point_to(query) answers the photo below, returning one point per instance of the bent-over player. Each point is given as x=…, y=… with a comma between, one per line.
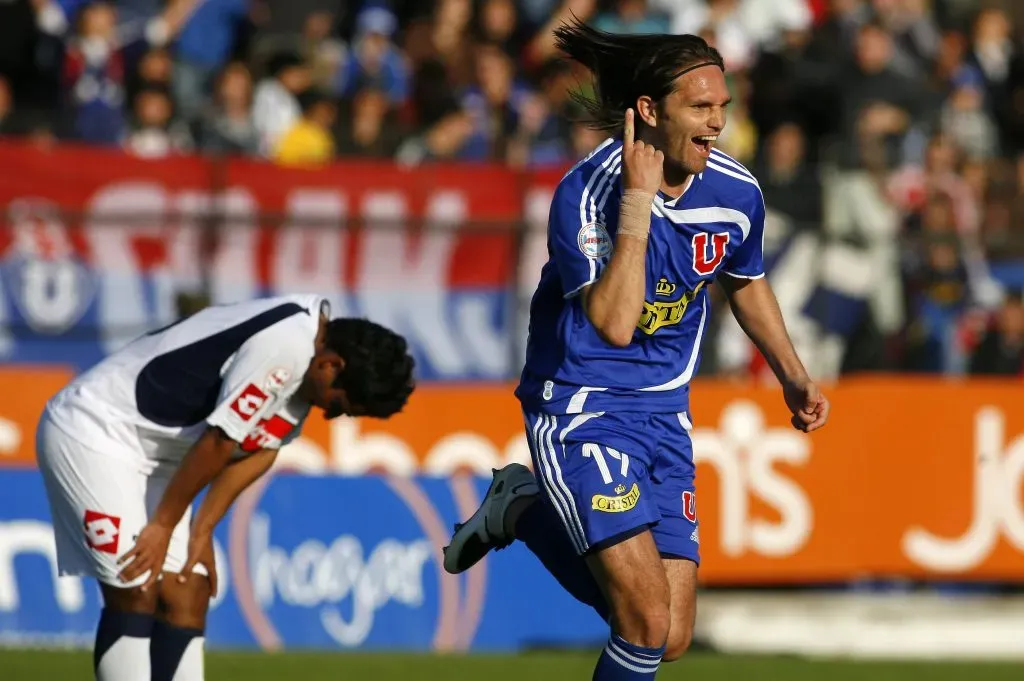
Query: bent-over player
x=126, y=447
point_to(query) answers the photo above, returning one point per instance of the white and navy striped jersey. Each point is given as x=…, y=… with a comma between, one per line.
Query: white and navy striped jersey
x=236, y=367
x=715, y=227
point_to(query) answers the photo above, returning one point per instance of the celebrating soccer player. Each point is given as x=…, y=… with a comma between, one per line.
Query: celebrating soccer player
x=638, y=232
x=127, y=446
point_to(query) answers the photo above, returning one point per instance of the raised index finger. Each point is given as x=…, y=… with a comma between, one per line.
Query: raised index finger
x=627, y=130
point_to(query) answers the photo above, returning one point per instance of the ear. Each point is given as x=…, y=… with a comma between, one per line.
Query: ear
x=326, y=357
x=647, y=110
x=333, y=359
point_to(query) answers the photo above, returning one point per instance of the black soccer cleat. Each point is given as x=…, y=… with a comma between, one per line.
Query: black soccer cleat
x=485, y=530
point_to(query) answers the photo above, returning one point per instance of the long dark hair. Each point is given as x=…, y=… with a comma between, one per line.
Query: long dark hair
x=625, y=67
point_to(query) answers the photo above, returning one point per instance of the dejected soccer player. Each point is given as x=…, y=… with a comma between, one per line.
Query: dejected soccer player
x=126, y=447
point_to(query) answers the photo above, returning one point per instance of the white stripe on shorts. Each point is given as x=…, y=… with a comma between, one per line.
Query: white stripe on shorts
x=543, y=427
x=561, y=481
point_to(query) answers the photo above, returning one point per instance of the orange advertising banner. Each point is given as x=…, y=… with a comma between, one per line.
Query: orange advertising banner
x=913, y=477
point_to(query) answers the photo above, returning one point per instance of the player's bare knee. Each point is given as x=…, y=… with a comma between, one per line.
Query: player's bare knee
x=184, y=605
x=643, y=617
x=129, y=599
x=637, y=589
x=680, y=636
x=644, y=625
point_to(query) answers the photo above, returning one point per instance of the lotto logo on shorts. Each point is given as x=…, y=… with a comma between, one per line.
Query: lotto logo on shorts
x=618, y=504
x=249, y=402
x=102, y=531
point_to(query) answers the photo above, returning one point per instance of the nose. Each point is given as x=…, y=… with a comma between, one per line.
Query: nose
x=716, y=119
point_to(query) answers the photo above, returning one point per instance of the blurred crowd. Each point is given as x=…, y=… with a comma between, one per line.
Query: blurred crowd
x=887, y=135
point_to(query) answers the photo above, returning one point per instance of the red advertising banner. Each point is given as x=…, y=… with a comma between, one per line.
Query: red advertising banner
x=95, y=245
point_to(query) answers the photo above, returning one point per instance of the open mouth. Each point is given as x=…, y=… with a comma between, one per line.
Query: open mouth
x=704, y=143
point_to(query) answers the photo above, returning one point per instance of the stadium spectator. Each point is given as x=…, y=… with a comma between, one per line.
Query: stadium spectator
x=1001, y=352
x=542, y=133
x=498, y=24
x=938, y=290
x=369, y=129
x=276, y=105
x=915, y=34
x=308, y=141
x=204, y=46
x=155, y=68
x=450, y=40
x=993, y=52
x=791, y=187
x=965, y=119
x=155, y=133
x=228, y=128
x=495, y=104
x=94, y=77
x=322, y=51
x=374, y=61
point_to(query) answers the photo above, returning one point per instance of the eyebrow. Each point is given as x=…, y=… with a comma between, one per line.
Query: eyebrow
x=704, y=102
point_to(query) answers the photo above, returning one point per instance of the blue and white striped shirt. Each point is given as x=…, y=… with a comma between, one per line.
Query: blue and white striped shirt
x=715, y=227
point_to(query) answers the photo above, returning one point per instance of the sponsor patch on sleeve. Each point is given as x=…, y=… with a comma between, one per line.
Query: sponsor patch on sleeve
x=594, y=241
x=249, y=402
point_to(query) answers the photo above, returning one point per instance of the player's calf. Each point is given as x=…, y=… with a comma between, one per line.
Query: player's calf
x=121, y=650
x=682, y=579
x=176, y=648
x=637, y=591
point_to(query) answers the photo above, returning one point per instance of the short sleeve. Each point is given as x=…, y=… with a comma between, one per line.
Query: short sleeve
x=264, y=373
x=747, y=261
x=579, y=235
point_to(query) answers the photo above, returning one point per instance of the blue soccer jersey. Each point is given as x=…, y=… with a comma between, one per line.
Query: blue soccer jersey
x=715, y=227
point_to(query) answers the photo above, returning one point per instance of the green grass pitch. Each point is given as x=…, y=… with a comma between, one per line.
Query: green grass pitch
x=25, y=665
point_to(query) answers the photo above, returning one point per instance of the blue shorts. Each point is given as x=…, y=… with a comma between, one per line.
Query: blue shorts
x=609, y=476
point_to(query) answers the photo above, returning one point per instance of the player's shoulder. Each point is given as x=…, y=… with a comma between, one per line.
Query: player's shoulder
x=593, y=174
x=733, y=185
x=295, y=318
x=282, y=329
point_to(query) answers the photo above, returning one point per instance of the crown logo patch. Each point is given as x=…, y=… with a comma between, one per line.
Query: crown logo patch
x=664, y=287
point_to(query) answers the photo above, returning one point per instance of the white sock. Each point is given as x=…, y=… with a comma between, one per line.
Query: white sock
x=191, y=666
x=121, y=652
x=176, y=653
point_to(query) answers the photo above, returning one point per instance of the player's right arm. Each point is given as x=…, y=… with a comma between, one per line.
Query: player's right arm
x=614, y=302
x=229, y=483
x=236, y=477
